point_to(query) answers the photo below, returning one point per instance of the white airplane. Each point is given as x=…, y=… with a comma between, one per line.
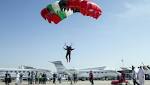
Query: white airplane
x=24, y=70
x=83, y=74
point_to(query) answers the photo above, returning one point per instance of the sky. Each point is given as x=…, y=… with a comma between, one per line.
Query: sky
x=121, y=33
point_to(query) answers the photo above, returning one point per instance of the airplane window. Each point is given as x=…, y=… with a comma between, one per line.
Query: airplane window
x=101, y=72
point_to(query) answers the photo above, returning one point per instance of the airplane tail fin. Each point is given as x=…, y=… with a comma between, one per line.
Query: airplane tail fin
x=59, y=66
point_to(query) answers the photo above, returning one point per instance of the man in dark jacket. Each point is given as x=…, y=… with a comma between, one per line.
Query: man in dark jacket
x=91, y=77
x=7, y=78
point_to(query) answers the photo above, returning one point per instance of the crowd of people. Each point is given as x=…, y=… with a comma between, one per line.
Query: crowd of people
x=37, y=78
x=41, y=78
x=33, y=78
x=71, y=78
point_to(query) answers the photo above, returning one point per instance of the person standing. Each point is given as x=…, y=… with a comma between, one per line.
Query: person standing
x=32, y=78
x=40, y=78
x=91, y=77
x=134, y=76
x=18, y=79
x=54, y=78
x=36, y=77
x=70, y=78
x=21, y=77
x=7, y=78
x=122, y=77
x=75, y=77
x=44, y=78
x=59, y=78
x=29, y=78
x=141, y=75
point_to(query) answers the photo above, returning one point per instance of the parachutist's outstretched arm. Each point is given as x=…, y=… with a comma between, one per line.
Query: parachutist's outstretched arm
x=72, y=48
x=64, y=48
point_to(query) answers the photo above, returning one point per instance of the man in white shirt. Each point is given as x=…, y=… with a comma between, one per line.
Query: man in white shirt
x=134, y=76
x=18, y=78
x=141, y=75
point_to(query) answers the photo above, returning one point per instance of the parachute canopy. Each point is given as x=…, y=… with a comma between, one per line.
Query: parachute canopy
x=60, y=10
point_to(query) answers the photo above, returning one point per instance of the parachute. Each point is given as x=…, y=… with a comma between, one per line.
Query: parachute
x=56, y=12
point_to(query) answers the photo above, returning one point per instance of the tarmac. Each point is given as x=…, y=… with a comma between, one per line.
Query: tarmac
x=96, y=82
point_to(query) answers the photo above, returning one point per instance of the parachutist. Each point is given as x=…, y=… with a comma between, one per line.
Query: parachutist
x=68, y=54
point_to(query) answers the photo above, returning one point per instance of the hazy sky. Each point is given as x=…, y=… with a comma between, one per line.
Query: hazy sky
x=122, y=32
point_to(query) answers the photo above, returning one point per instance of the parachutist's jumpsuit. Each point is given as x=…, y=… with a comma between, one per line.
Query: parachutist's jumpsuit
x=68, y=49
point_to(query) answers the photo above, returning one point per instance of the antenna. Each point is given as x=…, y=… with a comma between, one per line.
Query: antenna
x=122, y=61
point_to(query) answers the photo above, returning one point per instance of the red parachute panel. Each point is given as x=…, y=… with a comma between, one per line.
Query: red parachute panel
x=51, y=17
